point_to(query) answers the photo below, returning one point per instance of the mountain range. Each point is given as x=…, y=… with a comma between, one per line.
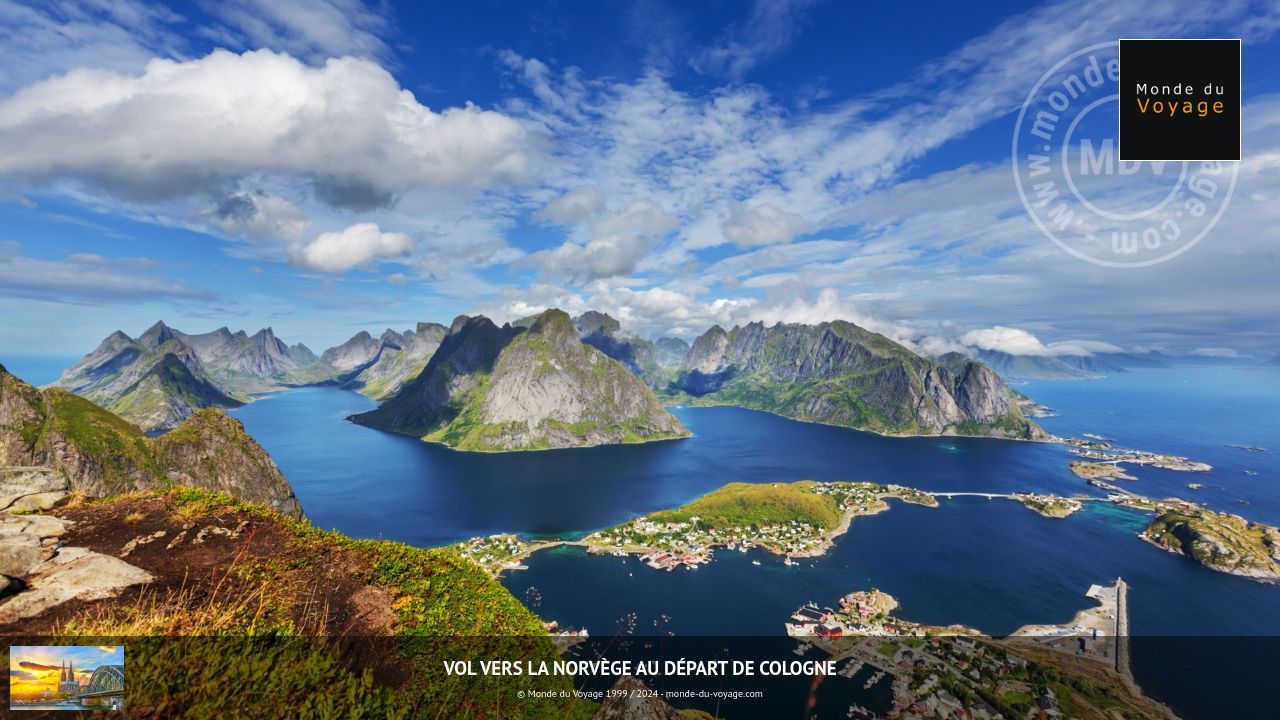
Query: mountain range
x=549, y=381
x=526, y=386
x=842, y=374
x=165, y=375
x=651, y=361
x=379, y=368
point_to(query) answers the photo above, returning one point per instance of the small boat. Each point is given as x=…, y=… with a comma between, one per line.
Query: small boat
x=755, y=562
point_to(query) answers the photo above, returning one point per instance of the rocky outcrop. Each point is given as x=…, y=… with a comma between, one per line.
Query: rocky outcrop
x=25, y=489
x=72, y=574
x=211, y=450
x=39, y=573
x=53, y=442
x=839, y=373
x=516, y=388
x=634, y=701
x=1219, y=541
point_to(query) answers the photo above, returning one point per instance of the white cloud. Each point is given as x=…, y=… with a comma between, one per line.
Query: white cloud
x=314, y=30
x=185, y=127
x=762, y=224
x=574, y=206
x=770, y=28
x=1083, y=348
x=338, y=252
x=42, y=39
x=656, y=311
x=258, y=215
x=1005, y=339
x=607, y=243
x=85, y=278
x=1216, y=352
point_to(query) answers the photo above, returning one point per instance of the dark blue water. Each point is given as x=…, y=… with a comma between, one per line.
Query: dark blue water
x=349, y=477
x=993, y=565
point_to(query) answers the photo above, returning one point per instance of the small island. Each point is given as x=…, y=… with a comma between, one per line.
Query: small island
x=1095, y=471
x=1050, y=506
x=1219, y=541
x=799, y=519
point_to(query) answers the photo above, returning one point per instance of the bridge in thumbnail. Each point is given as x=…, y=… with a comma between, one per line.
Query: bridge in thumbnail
x=106, y=686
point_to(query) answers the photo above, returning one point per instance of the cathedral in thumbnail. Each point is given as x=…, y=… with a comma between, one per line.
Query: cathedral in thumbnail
x=67, y=683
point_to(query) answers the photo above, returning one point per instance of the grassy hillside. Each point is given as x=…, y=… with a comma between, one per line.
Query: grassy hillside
x=301, y=622
x=118, y=449
x=739, y=504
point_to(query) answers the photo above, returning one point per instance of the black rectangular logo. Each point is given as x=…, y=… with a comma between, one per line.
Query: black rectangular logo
x=1179, y=99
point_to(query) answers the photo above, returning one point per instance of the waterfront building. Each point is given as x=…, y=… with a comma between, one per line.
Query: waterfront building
x=67, y=682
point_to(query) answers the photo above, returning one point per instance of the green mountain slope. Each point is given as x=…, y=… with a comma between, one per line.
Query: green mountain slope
x=99, y=453
x=841, y=374
x=516, y=388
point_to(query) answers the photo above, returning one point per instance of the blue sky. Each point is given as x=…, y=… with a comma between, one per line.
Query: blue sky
x=330, y=166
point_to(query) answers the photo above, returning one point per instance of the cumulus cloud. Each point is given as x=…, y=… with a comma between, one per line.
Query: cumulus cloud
x=258, y=215
x=574, y=206
x=1005, y=339
x=340, y=251
x=608, y=243
x=193, y=126
x=762, y=224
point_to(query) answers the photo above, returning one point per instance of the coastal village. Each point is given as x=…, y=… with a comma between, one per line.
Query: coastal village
x=958, y=672
x=690, y=543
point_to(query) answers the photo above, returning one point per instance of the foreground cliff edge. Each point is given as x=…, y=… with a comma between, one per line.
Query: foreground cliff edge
x=53, y=443
x=491, y=388
x=211, y=592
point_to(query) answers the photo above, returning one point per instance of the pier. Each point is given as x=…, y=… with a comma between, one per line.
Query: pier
x=1122, y=630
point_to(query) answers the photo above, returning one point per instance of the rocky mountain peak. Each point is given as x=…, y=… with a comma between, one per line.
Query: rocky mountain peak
x=157, y=335
x=554, y=324
x=592, y=322
x=707, y=353
x=523, y=388
x=392, y=338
